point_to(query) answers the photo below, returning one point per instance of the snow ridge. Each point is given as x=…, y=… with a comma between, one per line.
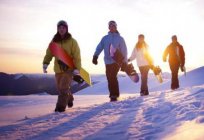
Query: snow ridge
x=164, y=114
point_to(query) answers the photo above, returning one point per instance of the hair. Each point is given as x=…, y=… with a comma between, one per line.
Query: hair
x=140, y=45
x=140, y=35
x=62, y=23
x=112, y=22
x=57, y=37
x=174, y=36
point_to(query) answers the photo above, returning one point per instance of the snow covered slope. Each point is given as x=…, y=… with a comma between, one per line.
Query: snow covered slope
x=164, y=114
x=192, y=78
x=125, y=85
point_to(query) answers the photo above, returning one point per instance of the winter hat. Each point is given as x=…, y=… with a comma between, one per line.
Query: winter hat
x=140, y=36
x=112, y=22
x=62, y=23
x=174, y=37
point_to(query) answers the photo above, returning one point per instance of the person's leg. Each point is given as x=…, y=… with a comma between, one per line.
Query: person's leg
x=65, y=97
x=144, y=75
x=111, y=74
x=174, y=79
x=69, y=77
x=172, y=76
x=176, y=76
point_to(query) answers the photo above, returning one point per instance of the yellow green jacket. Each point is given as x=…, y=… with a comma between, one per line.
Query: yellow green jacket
x=71, y=47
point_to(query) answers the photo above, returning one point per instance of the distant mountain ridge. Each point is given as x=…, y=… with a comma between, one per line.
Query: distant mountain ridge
x=193, y=77
x=25, y=84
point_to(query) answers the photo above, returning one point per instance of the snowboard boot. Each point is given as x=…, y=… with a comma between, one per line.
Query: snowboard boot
x=59, y=109
x=113, y=98
x=61, y=102
x=130, y=69
x=70, y=100
x=144, y=93
x=157, y=70
x=174, y=87
x=78, y=79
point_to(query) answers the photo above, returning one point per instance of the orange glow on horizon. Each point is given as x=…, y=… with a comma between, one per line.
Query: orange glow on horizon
x=23, y=44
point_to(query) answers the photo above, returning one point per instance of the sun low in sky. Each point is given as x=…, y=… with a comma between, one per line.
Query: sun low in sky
x=27, y=27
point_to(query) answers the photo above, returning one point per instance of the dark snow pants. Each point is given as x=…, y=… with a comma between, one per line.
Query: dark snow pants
x=63, y=81
x=174, y=74
x=144, y=75
x=111, y=75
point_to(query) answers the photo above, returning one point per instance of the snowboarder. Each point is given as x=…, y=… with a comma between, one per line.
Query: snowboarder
x=63, y=73
x=176, y=59
x=144, y=62
x=112, y=68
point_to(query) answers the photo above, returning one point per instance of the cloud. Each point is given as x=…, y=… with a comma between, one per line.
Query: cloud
x=21, y=52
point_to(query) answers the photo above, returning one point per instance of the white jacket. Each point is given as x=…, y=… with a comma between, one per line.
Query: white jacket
x=139, y=55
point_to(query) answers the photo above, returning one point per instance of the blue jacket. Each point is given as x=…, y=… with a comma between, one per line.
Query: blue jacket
x=117, y=41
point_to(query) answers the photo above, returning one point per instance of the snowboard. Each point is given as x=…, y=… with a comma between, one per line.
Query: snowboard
x=158, y=73
x=183, y=69
x=61, y=54
x=117, y=56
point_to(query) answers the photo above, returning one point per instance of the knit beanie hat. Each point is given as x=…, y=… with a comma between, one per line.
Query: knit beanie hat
x=62, y=23
x=112, y=22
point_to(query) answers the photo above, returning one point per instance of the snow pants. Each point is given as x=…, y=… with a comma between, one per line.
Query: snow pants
x=63, y=81
x=174, y=66
x=144, y=75
x=111, y=75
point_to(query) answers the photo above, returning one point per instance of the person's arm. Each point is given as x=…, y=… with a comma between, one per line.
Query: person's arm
x=182, y=55
x=148, y=56
x=76, y=55
x=133, y=55
x=124, y=49
x=99, y=48
x=166, y=52
x=47, y=58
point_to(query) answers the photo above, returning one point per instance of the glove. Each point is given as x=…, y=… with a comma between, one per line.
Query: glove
x=45, y=68
x=62, y=65
x=78, y=79
x=124, y=66
x=76, y=72
x=94, y=60
x=157, y=70
x=183, y=68
x=130, y=69
x=151, y=67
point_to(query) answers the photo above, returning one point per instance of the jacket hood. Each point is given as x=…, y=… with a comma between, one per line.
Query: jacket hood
x=114, y=32
x=57, y=37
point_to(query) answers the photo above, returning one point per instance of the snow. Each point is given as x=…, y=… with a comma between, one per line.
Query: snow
x=192, y=78
x=18, y=76
x=126, y=85
x=163, y=115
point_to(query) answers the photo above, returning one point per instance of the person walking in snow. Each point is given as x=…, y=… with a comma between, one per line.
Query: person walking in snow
x=112, y=68
x=144, y=62
x=63, y=73
x=176, y=60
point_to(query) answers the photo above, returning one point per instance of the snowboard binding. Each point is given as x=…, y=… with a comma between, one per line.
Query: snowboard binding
x=130, y=69
x=157, y=70
x=118, y=57
x=158, y=73
x=78, y=79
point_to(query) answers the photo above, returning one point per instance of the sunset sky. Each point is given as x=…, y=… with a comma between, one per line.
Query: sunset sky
x=27, y=26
